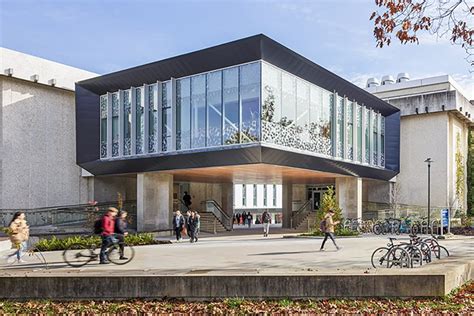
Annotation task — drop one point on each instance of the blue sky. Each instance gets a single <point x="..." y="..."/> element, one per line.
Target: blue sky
<point x="104" y="36"/>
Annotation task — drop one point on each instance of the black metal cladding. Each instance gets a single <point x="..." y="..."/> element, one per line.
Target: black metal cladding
<point x="229" y="54"/>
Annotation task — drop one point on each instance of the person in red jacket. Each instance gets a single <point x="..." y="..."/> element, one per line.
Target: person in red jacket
<point x="108" y="226"/>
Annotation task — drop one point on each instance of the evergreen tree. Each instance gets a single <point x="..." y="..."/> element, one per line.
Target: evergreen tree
<point x="329" y="202"/>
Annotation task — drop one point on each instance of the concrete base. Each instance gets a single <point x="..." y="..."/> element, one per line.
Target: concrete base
<point x="209" y="285"/>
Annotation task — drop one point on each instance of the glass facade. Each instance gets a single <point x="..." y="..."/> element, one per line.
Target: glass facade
<point x="254" y="102"/>
<point x="127" y="122"/>
<point x="140" y="121"/>
<point x="103" y="126"/>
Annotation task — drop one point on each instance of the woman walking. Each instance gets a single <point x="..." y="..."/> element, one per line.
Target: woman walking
<point x="19" y="233"/>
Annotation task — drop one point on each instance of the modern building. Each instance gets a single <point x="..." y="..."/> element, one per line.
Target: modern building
<point x="248" y="111"/>
<point x="37" y="134"/>
<point x="436" y="119"/>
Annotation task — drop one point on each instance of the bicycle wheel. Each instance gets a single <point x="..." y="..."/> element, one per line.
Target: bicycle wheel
<point x="440" y="252"/>
<point x="76" y="256"/>
<point x="116" y="257"/>
<point x="398" y="257"/>
<point x="378" y="258"/>
<point x="377" y="229"/>
<point x="34" y="258"/>
<point x="426" y="250"/>
<point x="416" y="256"/>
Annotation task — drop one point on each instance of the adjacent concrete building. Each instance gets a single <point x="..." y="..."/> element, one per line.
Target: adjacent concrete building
<point x="37" y="133"/>
<point x="436" y="118"/>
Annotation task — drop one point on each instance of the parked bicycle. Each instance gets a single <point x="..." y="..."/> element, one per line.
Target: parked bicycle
<point x="76" y="255"/>
<point x="388" y="226"/>
<point x="416" y="252"/>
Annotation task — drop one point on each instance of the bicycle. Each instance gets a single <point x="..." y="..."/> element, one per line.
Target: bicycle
<point x="76" y="255"/>
<point x="31" y="256"/>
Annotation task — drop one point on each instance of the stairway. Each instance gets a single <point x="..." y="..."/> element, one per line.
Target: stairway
<point x="210" y="223"/>
<point x="306" y="222"/>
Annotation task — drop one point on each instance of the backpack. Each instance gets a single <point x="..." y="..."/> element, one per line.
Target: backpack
<point x="322" y="225"/>
<point x="98" y="229"/>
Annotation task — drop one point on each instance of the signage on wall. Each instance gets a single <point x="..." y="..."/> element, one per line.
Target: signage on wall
<point x="445" y="217"/>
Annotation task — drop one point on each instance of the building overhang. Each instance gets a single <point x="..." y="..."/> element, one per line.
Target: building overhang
<point x="244" y="155"/>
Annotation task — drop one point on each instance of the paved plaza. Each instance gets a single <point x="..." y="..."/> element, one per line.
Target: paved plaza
<point x="244" y="254"/>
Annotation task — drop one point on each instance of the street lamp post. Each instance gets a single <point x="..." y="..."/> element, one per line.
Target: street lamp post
<point x="429" y="161"/>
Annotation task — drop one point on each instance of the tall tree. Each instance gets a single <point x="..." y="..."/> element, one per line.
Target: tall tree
<point x="452" y="19"/>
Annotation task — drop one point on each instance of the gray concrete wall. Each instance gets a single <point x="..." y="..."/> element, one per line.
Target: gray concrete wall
<point x="38" y="150"/>
<point x="106" y="189"/>
<point x="204" y="191"/>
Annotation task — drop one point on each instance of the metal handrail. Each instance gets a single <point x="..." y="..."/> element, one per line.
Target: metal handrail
<point x="303" y="207"/>
<point x="216" y="209"/>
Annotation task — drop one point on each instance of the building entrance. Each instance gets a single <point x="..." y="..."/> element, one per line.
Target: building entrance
<point x="315" y="194"/>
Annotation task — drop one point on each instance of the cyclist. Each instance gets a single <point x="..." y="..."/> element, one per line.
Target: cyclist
<point x="108" y="225"/>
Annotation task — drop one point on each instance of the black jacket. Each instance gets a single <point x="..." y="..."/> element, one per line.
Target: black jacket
<point x="181" y="222"/>
<point x="120" y="226"/>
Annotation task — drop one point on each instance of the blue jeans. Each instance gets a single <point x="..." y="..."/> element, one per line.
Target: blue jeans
<point x="18" y="253"/>
<point x="107" y="241"/>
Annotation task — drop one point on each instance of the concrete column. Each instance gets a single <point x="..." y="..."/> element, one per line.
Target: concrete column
<point x="286" y="205"/>
<point x="228" y="198"/>
<point x="349" y="196"/>
<point x="154" y="201"/>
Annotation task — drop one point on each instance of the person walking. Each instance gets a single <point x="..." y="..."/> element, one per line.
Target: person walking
<point x="266" y="219"/>
<point x="107" y="235"/>
<point x="178" y="224"/>
<point x="249" y="219"/>
<point x="237" y="217"/>
<point x="192" y="226"/>
<point x="198" y="226"/>
<point x="121" y="231"/>
<point x="187" y="200"/>
<point x="19" y="232"/>
<point x="327" y="226"/>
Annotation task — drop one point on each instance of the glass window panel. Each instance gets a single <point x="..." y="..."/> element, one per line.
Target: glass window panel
<point x="367" y="135"/>
<point x="250" y="96"/>
<point x="152" y="118"/>
<point x="214" y="108"/>
<point x="382" y="141"/>
<point x="359" y="134"/>
<point x="115" y="124"/>
<point x="183" y="114"/>
<point x="288" y="88"/>
<point x="103" y="126"/>
<point x="140" y="121"/>
<point x="198" y="111"/>
<point x="350" y="130"/>
<point x="375" y="139"/>
<point x="340" y="127"/>
<point x="271" y="93"/>
<point x="166" y="116"/>
<point x="127" y="123"/>
<point x="231" y="106"/>
<point x="302" y="104"/>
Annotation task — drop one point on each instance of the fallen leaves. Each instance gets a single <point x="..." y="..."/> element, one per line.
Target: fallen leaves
<point x="461" y="301"/>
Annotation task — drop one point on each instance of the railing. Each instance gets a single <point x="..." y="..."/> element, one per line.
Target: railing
<point x="213" y="207"/>
<point x="77" y="216"/>
<point x="299" y="215"/>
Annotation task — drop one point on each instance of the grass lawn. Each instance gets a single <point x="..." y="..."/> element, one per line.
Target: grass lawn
<point x="460" y="301"/>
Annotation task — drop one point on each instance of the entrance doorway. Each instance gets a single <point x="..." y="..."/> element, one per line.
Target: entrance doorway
<point x="315" y="193"/>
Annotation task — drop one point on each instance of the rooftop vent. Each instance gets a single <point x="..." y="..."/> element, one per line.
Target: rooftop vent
<point x="387" y="80"/>
<point x="9" y="72"/>
<point x="372" y="82"/>
<point x="52" y="82"/>
<point x="34" y="78"/>
<point x="403" y="76"/>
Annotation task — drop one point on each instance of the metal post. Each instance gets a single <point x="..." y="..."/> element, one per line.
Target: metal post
<point x="429" y="161"/>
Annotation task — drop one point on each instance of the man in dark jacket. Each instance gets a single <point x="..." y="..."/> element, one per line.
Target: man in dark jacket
<point x="192" y="226"/>
<point x="121" y="231"/>
<point x="187" y="199"/>
<point x="178" y="224"/>
<point x="108" y="224"/>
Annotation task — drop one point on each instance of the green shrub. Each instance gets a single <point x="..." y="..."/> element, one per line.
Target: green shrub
<point x="338" y="232"/>
<point x="55" y="243"/>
